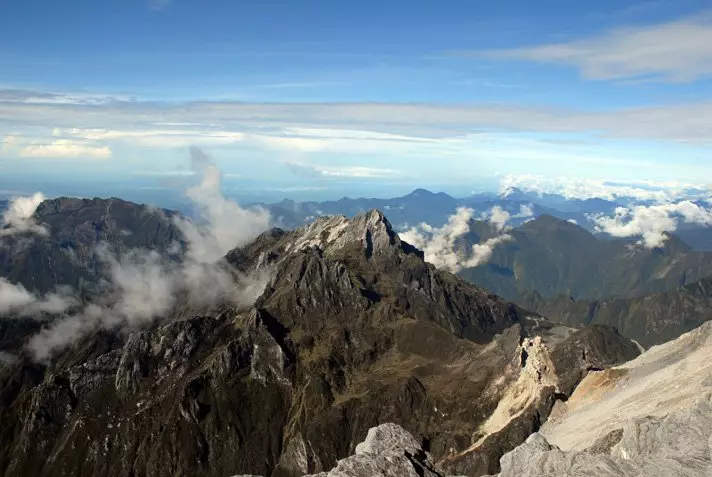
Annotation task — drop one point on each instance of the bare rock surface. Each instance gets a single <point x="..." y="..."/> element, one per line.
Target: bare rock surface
<point x="649" y="417"/>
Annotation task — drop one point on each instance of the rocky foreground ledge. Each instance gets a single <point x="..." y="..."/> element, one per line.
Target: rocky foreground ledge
<point x="679" y="444"/>
<point x="389" y="450"/>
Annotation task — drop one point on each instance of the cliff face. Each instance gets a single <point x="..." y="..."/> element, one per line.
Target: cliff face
<point x="353" y="330"/>
<point x="649" y="417"/>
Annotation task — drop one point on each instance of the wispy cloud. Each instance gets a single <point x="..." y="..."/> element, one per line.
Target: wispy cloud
<point x="157" y="137"/>
<point x="691" y="123"/>
<point x="678" y="51"/>
<point x="297" y="85"/>
<point x="159" y="4"/>
<point x="55" y="148"/>
<point x="500" y="218"/>
<point x="144" y="285"/>
<point x="311" y="170"/>
<point x="16" y="299"/>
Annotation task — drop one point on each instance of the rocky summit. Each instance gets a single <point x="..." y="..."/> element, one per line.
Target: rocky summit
<point x="353" y="330"/>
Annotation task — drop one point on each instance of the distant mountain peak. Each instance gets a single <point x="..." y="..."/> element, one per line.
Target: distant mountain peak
<point x="420" y="193"/>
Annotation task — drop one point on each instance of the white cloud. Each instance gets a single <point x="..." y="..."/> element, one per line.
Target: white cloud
<point x="585" y="188"/>
<point x="39" y="97"/>
<point x="500" y="218"/>
<point x="677" y="51"/>
<point x="56" y="148"/>
<point x="19" y="216"/>
<point x="307" y="125"/>
<point x="15" y="298"/>
<point x="439" y="244"/>
<point x="341" y="171"/>
<point x="159" y="4"/>
<point x="220" y="233"/>
<point x="652" y="223"/>
<point x="482" y="252"/>
<point x="158" y="137"/>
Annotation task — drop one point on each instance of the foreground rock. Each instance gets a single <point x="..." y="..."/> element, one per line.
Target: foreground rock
<point x="389" y="450"/>
<point x="354" y="329"/>
<point x="650" y="417"/>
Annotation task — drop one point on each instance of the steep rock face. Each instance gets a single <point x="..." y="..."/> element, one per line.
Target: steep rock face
<point x="76" y="226"/>
<point x="651" y="416"/>
<point x="353" y="330"/>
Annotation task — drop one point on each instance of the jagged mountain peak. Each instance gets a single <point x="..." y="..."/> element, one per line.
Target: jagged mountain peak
<point x="369" y="230"/>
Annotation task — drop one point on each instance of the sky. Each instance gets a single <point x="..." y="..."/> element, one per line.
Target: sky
<point x="320" y="99"/>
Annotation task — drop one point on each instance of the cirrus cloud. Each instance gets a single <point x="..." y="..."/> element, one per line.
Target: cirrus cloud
<point x="677" y="51"/>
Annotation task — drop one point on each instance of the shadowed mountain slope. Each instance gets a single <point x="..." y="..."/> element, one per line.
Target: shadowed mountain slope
<point x="555" y="257"/>
<point x="66" y="256"/>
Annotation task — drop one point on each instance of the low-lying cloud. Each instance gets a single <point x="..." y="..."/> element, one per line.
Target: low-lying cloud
<point x="19" y="216"/>
<point x="500" y="218"/>
<point x="440" y="244"/>
<point x="16" y="299"/>
<point x="652" y="223"/>
<point x="143" y="285"/>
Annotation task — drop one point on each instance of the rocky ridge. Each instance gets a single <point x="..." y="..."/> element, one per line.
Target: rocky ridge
<point x="354" y="329"/>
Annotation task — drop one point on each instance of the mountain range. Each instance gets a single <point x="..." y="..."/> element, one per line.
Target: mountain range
<point x="556" y="257"/>
<point x="347" y="339"/>
<point x="352" y="329"/>
<point x="423" y="206"/>
<point x="650" y="319"/>
<point x="420" y="206"/>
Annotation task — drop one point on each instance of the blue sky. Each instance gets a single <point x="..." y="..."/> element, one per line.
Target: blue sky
<point x="317" y="99"/>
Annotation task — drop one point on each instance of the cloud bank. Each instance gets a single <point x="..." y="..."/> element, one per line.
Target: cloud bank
<point x="652" y="223"/>
<point x="440" y="244"/>
<point x="583" y="188"/>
